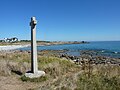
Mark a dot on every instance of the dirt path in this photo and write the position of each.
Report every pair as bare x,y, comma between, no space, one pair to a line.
14,83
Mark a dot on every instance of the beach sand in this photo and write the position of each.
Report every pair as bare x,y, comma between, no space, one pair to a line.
12,47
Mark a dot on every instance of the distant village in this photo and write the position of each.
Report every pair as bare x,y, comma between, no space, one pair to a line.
14,39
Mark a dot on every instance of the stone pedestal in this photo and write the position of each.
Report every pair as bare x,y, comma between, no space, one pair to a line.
34,73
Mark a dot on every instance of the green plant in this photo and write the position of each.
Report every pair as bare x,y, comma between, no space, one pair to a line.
101,80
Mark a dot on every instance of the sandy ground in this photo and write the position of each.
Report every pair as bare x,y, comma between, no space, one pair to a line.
12,47
13,83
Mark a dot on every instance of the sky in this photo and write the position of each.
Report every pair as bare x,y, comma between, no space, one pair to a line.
61,20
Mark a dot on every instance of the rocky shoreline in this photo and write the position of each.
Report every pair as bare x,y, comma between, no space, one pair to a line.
82,59
86,56
91,59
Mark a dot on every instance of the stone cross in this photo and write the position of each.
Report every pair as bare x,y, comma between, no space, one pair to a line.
34,73
34,64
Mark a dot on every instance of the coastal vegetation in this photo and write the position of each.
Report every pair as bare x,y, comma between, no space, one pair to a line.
61,73
26,42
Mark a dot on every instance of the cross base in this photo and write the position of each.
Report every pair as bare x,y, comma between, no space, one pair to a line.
35,75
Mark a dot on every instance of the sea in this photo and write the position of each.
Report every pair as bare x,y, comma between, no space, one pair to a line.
102,48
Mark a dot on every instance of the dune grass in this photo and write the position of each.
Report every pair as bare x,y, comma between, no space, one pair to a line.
61,74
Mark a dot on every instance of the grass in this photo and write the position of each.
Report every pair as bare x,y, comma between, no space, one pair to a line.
101,77
97,82
56,67
61,74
